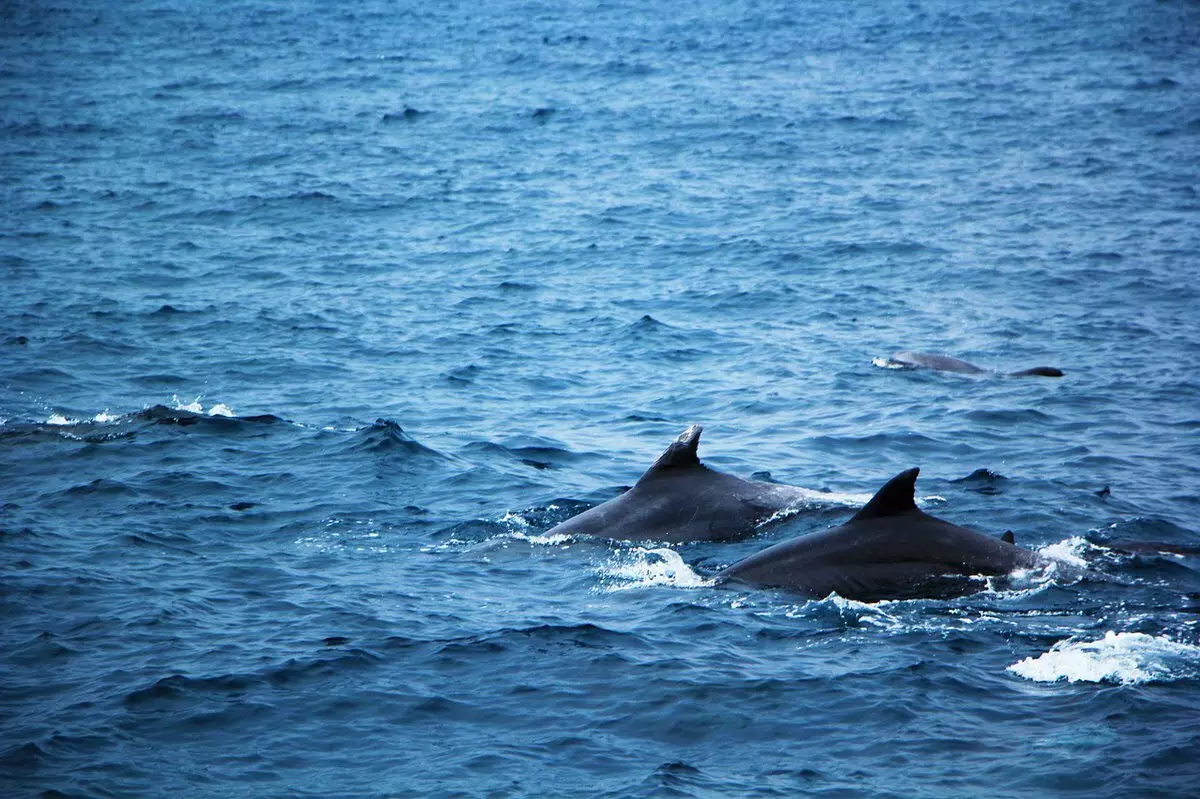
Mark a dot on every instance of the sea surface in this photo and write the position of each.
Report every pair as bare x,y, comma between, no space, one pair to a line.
317,316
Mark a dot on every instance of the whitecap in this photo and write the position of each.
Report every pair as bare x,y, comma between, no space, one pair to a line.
886,363
59,419
1123,658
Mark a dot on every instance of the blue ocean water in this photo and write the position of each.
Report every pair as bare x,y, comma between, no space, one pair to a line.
319,315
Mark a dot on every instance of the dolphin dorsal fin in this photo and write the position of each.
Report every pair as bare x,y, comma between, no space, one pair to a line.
895,498
1008,537
681,453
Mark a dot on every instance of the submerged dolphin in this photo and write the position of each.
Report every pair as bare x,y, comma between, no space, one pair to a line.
679,499
944,363
889,550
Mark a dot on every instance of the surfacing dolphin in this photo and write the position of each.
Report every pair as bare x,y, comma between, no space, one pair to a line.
891,549
944,363
679,499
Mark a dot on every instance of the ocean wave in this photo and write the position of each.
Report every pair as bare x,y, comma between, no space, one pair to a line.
538,455
585,634
180,412
180,687
386,435
1122,658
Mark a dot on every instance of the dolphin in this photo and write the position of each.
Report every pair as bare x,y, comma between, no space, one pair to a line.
889,550
679,500
944,363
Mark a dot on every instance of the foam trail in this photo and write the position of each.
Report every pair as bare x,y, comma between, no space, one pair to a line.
1123,658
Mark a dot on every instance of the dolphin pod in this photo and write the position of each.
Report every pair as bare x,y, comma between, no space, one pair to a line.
890,549
944,363
679,499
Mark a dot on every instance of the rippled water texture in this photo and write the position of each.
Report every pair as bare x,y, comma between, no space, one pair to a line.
318,316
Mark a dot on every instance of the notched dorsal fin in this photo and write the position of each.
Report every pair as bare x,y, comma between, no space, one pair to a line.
681,453
893,499
1008,537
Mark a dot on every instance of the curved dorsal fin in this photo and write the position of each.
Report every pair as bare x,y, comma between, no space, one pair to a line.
681,453
1008,537
895,498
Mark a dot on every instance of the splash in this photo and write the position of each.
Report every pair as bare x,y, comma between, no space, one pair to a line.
106,416
849,612
1122,658
642,568
519,527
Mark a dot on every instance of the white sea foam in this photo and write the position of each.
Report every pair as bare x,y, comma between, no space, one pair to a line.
1124,658
196,406
59,419
518,527
886,363
192,407
641,568
515,520
558,539
104,417
848,610
1070,551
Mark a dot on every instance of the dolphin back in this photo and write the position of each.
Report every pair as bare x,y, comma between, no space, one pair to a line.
1038,371
679,499
889,550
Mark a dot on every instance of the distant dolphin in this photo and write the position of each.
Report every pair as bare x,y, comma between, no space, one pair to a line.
944,363
889,550
679,499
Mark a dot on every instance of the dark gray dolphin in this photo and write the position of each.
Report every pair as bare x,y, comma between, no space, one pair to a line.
679,499
944,363
889,550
